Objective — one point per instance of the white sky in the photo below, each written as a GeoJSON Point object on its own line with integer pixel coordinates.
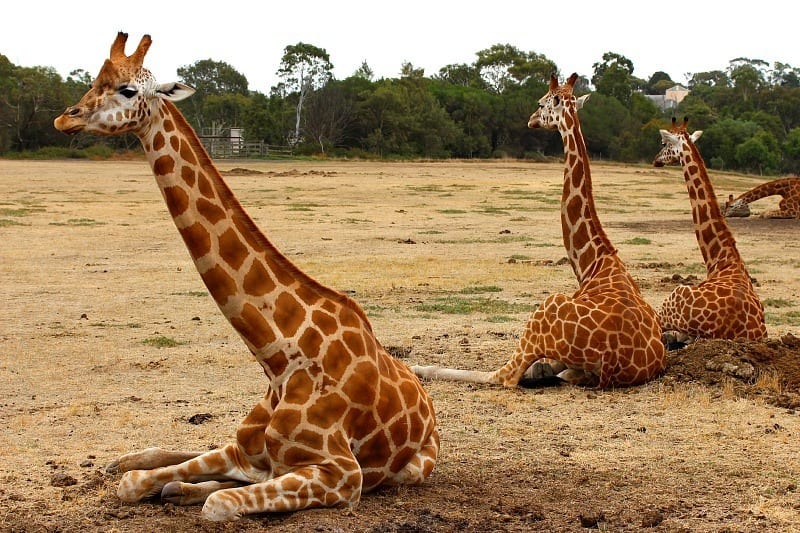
{"type": "Point", "coordinates": [677, 37]}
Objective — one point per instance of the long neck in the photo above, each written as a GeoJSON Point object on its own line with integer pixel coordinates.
{"type": "Point", "coordinates": [780, 187]}
{"type": "Point", "coordinates": [262, 294]}
{"type": "Point", "coordinates": [713, 234]}
{"type": "Point", "coordinates": [584, 239]}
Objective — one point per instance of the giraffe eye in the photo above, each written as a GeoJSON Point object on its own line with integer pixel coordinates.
{"type": "Point", "coordinates": [127, 92]}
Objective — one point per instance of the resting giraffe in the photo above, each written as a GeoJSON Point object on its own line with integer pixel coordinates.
{"type": "Point", "coordinates": [606, 334]}
{"type": "Point", "coordinates": [725, 305]}
{"type": "Point", "coordinates": [340, 416]}
{"type": "Point", "coordinates": [787, 188]}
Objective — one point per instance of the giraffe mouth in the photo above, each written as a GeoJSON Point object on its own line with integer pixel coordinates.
{"type": "Point", "coordinates": [66, 124]}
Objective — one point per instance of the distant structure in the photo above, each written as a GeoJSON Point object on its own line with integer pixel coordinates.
{"type": "Point", "coordinates": [224, 143]}
{"type": "Point", "coordinates": [670, 99]}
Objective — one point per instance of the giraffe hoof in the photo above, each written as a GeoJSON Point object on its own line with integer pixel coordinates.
{"type": "Point", "coordinates": [172, 493]}
{"type": "Point", "coordinates": [540, 374]}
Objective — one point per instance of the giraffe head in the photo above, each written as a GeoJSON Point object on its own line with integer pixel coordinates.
{"type": "Point", "coordinates": [554, 105]}
{"type": "Point", "coordinates": [121, 96]}
{"type": "Point", "coordinates": [736, 208]}
{"type": "Point", "coordinates": [672, 143]}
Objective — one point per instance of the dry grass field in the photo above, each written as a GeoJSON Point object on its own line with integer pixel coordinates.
{"type": "Point", "coordinates": [109, 343]}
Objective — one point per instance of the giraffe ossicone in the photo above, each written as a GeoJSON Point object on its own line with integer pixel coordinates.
{"type": "Point", "coordinates": [340, 415]}
{"type": "Point", "coordinates": [605, 334]}
{"type": "Point", "coordinates": [725, 305]}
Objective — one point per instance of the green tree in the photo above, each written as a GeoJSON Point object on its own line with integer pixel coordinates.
{"type": "Point", "coordinates": [748, 76]}
{"type": "Point", "coordinates": [209, 78]}
{"type": "Point", "coordinates": [759, 153]}
{"type": "Point", "coordinates": [470, 109]}
{"type": "Point", "coordinates": [713, 78]}
{"type": "Point", "coordinates": [364, 72]}
{"type": "Point", "coordinates": [721, 138]}
{"type": "Point", "coordinates": [784, 75]}
{"type": "Point", "coordinates": [612, 77]}
{"type": "Point", "coordinates": [659, 82]}
{"type": "Point", "coordinates": [30, 98]}
{"type": "Point", "coordinates": [791, 152]}
{"type": "Point", "coordinates": [303, 69]}
{"type": "Point", "coordinates": [503, 65]}
{"type": "Point", "coordinates": [328, 115]}
{"type": "Point", "coordinates": [461, 74]}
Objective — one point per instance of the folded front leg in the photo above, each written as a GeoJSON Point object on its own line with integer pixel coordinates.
{"type": "Point", "coordinates": [149, 459]}
{"type": "Point", "coordinates": [221, 464]}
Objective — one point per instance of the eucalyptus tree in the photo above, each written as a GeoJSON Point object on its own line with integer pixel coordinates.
{"type": "Point", "coordinates": [303, 69]}
{"type": "Point", "coordinates": [504, 65]}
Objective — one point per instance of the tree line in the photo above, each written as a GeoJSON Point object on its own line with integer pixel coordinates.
{"type": "Point", "coordinates": [750, 111]}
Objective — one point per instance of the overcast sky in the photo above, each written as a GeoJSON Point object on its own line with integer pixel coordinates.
{"type": "Point", "coordinates": [676, 37]}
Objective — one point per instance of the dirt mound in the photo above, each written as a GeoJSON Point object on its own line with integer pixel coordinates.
{"type": "Point", "coordinates": [769, 369]}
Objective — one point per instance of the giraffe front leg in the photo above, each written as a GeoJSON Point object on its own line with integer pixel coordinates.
{"type": "Point", "coordinates": [149, 459]}
{"type": "Point", "coordinates": [219, 464]}
{"type": "Point", "coordinates": [327, 485]}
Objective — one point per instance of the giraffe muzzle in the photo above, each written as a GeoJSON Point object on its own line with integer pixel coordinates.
{"type": "Point", "coordinates": [70, 121]}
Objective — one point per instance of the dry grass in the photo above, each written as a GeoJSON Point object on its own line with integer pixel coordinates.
{"type": "Point", "coordinates": [92, 267]}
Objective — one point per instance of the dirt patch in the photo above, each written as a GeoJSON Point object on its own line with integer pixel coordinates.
{"type": "Point", "coordinates": [767, 370]}
{"type": "Point", "coordinates": [110, 343]}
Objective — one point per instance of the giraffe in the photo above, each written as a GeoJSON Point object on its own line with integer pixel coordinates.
{"type": "Point", "coordinates": [725, 305]}
{"type": "Point", "coordinates": [606, 334]}
{"type": "Point", "coordinates": [340, 415]}
{"type": "Point", "coordinates": [787, 188]}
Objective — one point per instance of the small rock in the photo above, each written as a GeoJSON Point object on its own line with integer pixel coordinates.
{"type": "Point", "coordinates": [60, 479]}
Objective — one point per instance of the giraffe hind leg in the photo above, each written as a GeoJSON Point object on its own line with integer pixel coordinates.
{"type": "Point", "coordinates": [320, 485]}
{"type": "Point", "coordinates": [420, 466]}
{"type": "Point", "coordinates": [543, 372]}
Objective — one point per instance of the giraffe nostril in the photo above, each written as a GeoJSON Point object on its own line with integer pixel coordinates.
{"type": "Point", "coordinates": [73, 111]}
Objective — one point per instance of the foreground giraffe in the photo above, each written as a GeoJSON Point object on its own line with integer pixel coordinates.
{"type": "Point", "coordinates": [725, 305]}
{"type": "Point", "coordinates": [340, 416]}
{"type": "Point", "coordinates": [787, 188]}
{"type": "Point", "coordinates": [606, 334]}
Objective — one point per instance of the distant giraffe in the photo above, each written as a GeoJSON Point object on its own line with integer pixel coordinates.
{"type": "Point", "coordinates": [606, 334]}
{"type": "Point", "coordinates": [340, 415]}
{"type": "Point", "coordinates": [725, 305]}
{"type": "Point", "coordinates": [787, 188]}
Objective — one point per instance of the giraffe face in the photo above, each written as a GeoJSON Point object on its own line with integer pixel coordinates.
{"type": "Point", "coordinates": [121, 97]}
{"type": "Point", "coordinates": [554, 105]}
{"type": "Point", "coordinates": [550, 111]}
{"type": "Point", "coordinates": [672, 145]}
{"type": "Point", "coordinates": [671, 149]}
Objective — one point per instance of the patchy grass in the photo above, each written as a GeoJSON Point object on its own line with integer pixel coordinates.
{"type": "Point", "coordinates": [162, 342]}
{"type": "Point", "coordinates": [638, 241]}
{"type": "Point", "coordinates": [79, 222]}
{"type": "Point", "coordinates": [456, 305]}
{"type": "Point", "coordinates": [777, 302]}
{"type": "Point", "coordinates": [480, 289]}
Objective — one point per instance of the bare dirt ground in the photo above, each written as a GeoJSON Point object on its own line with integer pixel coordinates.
{"type": "Point", "coordinates": [109, 343]}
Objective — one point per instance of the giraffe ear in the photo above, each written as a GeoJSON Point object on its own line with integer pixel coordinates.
{"type": "Point", "coordinates": [696, 135]}
{"type": "Point", "coordinates": [581, 100]}
{"type": "Point", "coordinates": [666, 136]}
{"type": "Point", "coordinates": [175, 92]}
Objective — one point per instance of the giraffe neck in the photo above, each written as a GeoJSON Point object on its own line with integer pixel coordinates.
{"type": "Point", "coordinates": [259, 290]}
{"type": "Point", "coordinates": [779, 187]}
{"type": "Point", "coordinates": [713, 234]}
{"type": "Point", "coordinates": [584, 239]}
